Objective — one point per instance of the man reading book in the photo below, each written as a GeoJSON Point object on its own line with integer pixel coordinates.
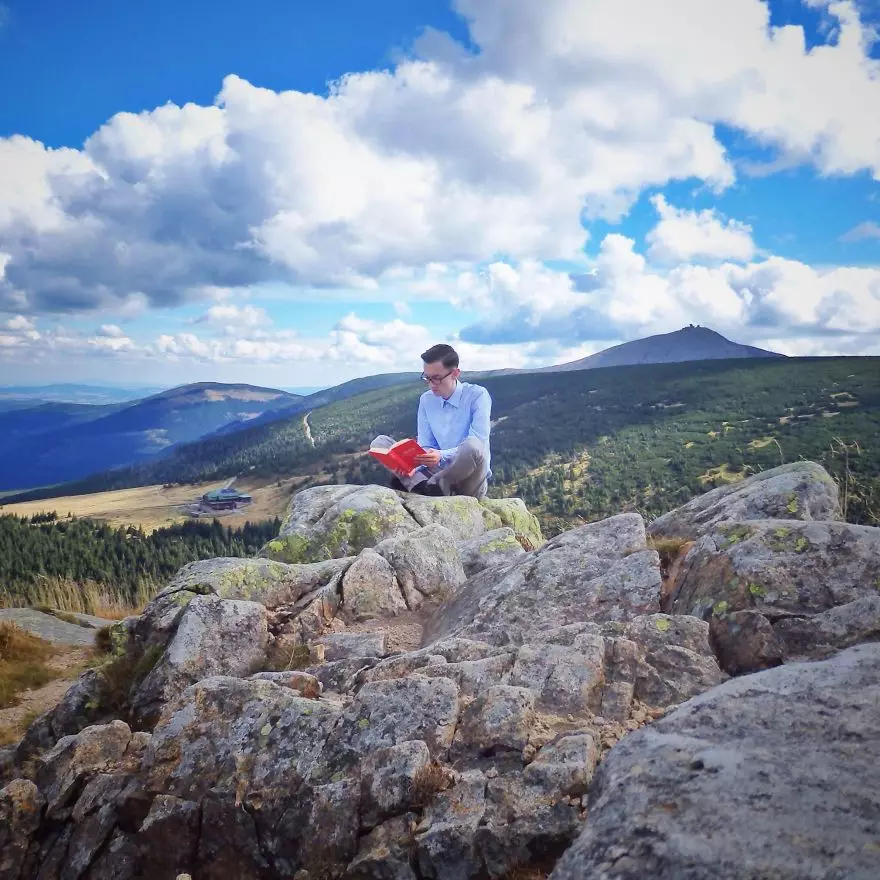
{"type": "Point", "coordinates": [453, 431]}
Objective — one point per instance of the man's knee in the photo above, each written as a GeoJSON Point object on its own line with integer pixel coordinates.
{"type": "Point", "coordinates": [473, 448]}
{"type": "Point", "coordinates": [383, 441]}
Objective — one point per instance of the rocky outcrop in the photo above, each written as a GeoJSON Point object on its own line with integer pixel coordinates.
{"type": "Point", "coordinates": [801, 490]}
{"type": "Point", "coordinates": [329, 522]}
{"type": "Point", "coordinates": [290, 734]}
{"type": "Point", "coordinates": [770, 775]}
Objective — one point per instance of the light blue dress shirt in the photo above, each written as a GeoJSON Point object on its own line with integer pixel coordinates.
{"type": "Point", "coordinates": [444, 424]}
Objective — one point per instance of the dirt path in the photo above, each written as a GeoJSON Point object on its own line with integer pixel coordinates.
{"type": "Point", "coordinates": [33, 703]}
{"type": "Point", "coordinates": [308, 428]}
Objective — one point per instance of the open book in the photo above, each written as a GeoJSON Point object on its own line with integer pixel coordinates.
{"type": "Point", "coordinates": [400, 458]}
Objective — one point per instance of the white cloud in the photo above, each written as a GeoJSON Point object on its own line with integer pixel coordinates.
{"type": "Point", "coordinates": [110, 331]}
{"type": "Point", "coordinates": [626, 297]}
{"type": "Point", "coordinates": [683, 236]}
{"type": "Point", "coordinates": [20, 322]}
{"type": "Point", "coordinates": [235, 317]}
{"type": "Point", "coordinates": [862, 232]}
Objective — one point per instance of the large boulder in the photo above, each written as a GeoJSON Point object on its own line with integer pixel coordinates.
{"type": "Point", "coordinates": [755, 577]}
{"type": "Point", "coordinates": [215, 637]}
{"type": "Point", "coordinates": [600, 571]}
{"type": "Point", "coordinates": [801, 490]}
{"type": "Point", "coordinates": [426, 564]}
{"type": "Point", "coordinates": [258, 580]}
{"type": "Point", "coordinates": [776, 774]}
{"type": "Point", "coordinates": [328, 522]}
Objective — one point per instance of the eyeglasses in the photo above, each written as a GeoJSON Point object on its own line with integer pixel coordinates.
{"type": "Point", "coordinates": [436, 380]}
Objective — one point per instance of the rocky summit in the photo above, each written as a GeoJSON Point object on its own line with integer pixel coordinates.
{"type": "Point", "coordinates": [405, 688]}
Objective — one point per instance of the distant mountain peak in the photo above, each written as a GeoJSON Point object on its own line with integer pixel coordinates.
{"type": "Point", "coordinates": [691, 343]}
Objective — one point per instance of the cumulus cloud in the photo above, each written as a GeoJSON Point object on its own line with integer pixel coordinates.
{"type": "Point", "coordinates": [235, 318]}
{"type": "Point", "coordinates": [564, 107]}
{"type": "Point", "coordinates": [685, 236]}
{"type": "Point", "coordinates": [627, 297]}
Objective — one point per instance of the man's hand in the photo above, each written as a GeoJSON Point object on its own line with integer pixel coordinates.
{"type": "Point", "coordinates": [431, 458]}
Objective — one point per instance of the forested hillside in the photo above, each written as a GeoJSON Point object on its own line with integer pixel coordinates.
{"type": "Point", "coordinates": [583, 445]}
{"type": "Point", "coordinates": [49, 561]}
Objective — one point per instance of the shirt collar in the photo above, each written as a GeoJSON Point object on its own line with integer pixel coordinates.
{"type": "Point", "coordinates": [454, 399]}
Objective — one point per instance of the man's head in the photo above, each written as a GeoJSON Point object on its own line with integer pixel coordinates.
{"type": "Point", "coordinates": [441, 370]}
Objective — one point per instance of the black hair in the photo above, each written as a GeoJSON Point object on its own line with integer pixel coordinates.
{"type": "Point", "coordinates": [441, 352]}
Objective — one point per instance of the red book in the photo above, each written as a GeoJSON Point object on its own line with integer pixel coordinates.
{"type": "Point", "coordinates": [401, 457]}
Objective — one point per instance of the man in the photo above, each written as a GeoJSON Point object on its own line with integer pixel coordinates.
{"type": "Point", "coordinates": [453, 429]}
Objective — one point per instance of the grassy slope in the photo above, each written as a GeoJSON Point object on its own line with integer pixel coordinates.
{"type": "Point", "coordinates": [582, 445]}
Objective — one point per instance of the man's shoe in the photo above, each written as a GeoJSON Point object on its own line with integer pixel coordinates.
{"type": "Point", "coordinates": [397, 485]}
{"type": "Point", "coordinates": [428, 488]}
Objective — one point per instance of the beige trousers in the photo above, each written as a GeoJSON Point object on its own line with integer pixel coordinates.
{"type": "Point", "coordinates": [466, 474]}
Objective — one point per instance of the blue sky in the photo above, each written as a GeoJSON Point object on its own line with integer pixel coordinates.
{"type": "Point", "coordinates": [301, 193]}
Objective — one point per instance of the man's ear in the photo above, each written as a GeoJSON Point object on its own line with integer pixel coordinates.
{"type": "Point", "coordinates": [456, 373]}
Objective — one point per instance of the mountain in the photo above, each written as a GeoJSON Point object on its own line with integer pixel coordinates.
{"type": "Point", "coordinates": [69, 392]}
{"type": "Point", "coordinates": [581, 444]}
{"type": "Point", "coordinates": [56, 443]}
{"type": "Point", "coordinates": [693, 343]}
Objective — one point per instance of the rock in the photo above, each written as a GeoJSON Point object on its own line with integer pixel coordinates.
{"type": "Point", "coordinates": [386, 713]}
{"type": "Point", "coordinates": [523, 821]}
{"type": "Point", "coordinates": [463, 516]}
{"type": "Point", "coordinates": [389, 780]}
{"type": "Point", "coordinates": [215, 637]}
{"type": "Point", "coordinates": [514, 514]}
{"type": "Point", "coordinates": [21, 808]}
{"type": "Point", "coordinates": [565, 765]}
{"type": "Point", "coordinates": [61, 772]}
{"type": "Point", "coordinates": [778, 567]}
{"type": "Point", "coordinates": [488, 550]}
{"type": "Point", "coordinates": [426, 564]}
{"type": "Point", "coordinates": [253, 728]}
{"type": "Point", "coordinates": [499, 720]}
{"type": "Point", "coordinates": [474, 676]}
{"type": "Point", "coordinates": [341, 676]}
{"type": "Point", "coordinates": [370, 589]}
{"type": "Point", "coordinates": [169, 837]}
{"type": "Point", "coordinates": [333, 825]}
{"type": "Point", "coordinates": [258, 580]}
{"type": "Point", "coordinates": [302, 682]}
{"type": "Point", "coordinates": [565, 680]}
{"type": "Point", "coordinates": [445, 837]}
{"type": "Point", "coordinates": [329, 522]}
{"type": "Point", "coordinates": [83, 704]}
{"type": "Point", "coordinates": [349, 646]}
{"type": "Point", "coordinates": [775, 774]}
{"type": "Point", "coordinates": [744, 642]}
{"type": "Point", "coordinates": [385, 853]}
{"type": "Point", "coordinates": [600, 571]}
{"type": "Point", "coordinates": [802, 490]}
{"type": "Point", "coordinates": [674, 660]}
{"type": "Point", "coordinates": [824, 634]}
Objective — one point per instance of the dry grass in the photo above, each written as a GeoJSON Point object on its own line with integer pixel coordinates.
{"type": "Point", "coordinates": [23, 662]}
{"type": "Point", "coordinates": [152, 507]}
{"type": "Point", "coordinates": [63, 595]}
{"type": "Point", "coordinates": [430, 781]}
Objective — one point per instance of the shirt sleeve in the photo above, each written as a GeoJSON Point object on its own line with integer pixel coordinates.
{"type": "Point", "coordinates": [481, 413]}
{"type": "Point", "coordinates": [425, 435]}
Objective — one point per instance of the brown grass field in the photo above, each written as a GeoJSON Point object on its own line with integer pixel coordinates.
{"type": "Point", "coordinates": [152, 507]}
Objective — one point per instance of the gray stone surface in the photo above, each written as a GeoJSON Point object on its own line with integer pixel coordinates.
{"type": "Point", "coordinates": [801, 490]}
{"type": "Point", "coordinates": [426, 564]}
{"type": "Point", "coordinates": [769, 775]}
{"type": "Point", "coordinates": [350, 646]}
{"type": "Point", "coordinates": [600, 571]}
{"type": "Point", "coordinates": [489, 549]}
{"type": "Point", "coordinates": [49, 627]}
{"type": "Point", "coordinates": [215, 637]}
{"type": "Point", "coordinates": [370, 589]}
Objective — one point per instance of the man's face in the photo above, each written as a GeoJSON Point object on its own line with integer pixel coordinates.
{"type": "Point", "coordinates": [441, 380]}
